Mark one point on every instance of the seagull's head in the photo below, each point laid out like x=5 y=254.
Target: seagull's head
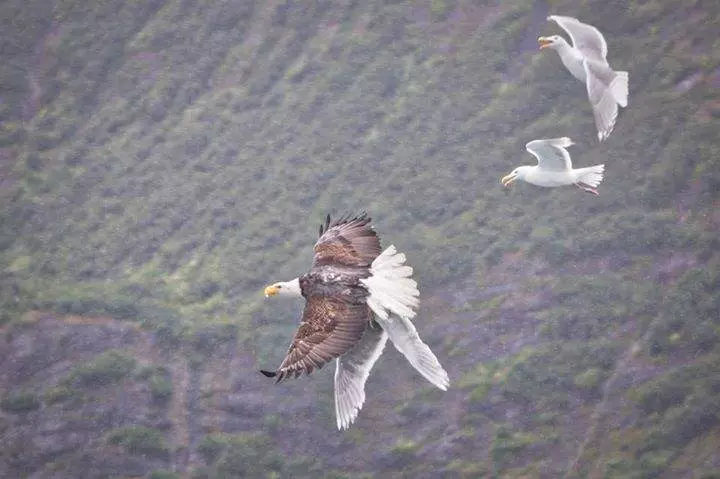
x=516 y=174
x=284 y=288
x=553 y=42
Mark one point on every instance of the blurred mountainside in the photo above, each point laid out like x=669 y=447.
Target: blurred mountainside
x=161 y=161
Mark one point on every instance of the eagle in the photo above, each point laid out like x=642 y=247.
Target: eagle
x=356 y=297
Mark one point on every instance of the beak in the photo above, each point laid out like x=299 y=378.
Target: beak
x=271 y=291
x=544 y=42
x=508 y=180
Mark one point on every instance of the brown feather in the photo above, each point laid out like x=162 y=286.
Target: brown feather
x=329 y=328
x=347 y=241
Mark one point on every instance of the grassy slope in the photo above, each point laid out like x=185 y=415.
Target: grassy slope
x=177 y=160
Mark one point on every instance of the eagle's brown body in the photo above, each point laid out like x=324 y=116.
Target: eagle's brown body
x=336 y=312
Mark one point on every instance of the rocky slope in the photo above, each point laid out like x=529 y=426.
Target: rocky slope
x=163 y=160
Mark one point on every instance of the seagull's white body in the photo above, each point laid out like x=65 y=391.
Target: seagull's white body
x=555 y=168
x=540 y=177
x=586 y=60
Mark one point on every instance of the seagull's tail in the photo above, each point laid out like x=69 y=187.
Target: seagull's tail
x=619 y=88
x=391 y=288
x=592 y=175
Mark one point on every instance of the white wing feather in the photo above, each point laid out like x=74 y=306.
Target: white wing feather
x=585 y=38
x=551 y=153
x=351 y=373
x=405 y=338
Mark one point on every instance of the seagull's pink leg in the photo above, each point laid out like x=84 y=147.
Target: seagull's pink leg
x=588 y=188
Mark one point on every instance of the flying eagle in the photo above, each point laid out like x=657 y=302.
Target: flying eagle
x=355 y=298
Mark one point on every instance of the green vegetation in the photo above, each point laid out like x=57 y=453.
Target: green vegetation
x=404 y=452
x=163 y=475
x=103 y=370
x=691 y=315
x=160 y=382
x=232 y=455
x=507 y=444
x=549 y=375
x=139 y=440
x=18 y=402
x=162 y=161
x=61 y=394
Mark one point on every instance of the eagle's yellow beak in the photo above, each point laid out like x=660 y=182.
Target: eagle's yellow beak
x=271 y=291
x=544 y=42
x=508 y=180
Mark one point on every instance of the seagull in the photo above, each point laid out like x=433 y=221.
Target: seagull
x=586 y=60
x=554 y=167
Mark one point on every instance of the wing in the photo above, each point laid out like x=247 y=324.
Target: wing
x=405 y=338
x=330 y=327
x=352 y=371
x=585 y=38
x=347 y=241
x=604 y=104
x=551 y=154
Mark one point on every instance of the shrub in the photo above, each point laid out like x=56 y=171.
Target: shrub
x=160 y=474
x=60 y=394
x=160 y=382
x=240 y=456
x=139 y=440
x=507 y=444
x=107 y=368
x=19 y=402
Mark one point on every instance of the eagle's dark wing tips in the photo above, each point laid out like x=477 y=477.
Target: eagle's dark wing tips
x=269 y=374
x=324 y=227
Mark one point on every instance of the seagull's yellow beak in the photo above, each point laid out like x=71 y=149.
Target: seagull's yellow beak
x=508 y=180
x=544 y=42
x=271 y=291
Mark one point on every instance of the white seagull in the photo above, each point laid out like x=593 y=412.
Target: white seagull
x=586 y=60
x=554 y=167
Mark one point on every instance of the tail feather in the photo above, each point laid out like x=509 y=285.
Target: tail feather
x=619 y=88
x=393 y=298
x=391 y=288
x=592 y=176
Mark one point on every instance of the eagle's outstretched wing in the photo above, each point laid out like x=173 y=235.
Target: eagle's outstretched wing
x=329 y=328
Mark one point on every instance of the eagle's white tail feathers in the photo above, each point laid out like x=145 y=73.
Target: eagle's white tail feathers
x=619 y=88
x=592 y=175
x=405 y=338
x=391 y=288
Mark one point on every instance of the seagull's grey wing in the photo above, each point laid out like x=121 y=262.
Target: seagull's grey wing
x=551 y=154
x=405 y=338
x=585 y=38
x=352 y=371
x=604 y=104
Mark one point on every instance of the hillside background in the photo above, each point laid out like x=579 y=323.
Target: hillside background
x=161 y=161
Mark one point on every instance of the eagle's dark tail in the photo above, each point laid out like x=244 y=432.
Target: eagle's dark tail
x=269 y=374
